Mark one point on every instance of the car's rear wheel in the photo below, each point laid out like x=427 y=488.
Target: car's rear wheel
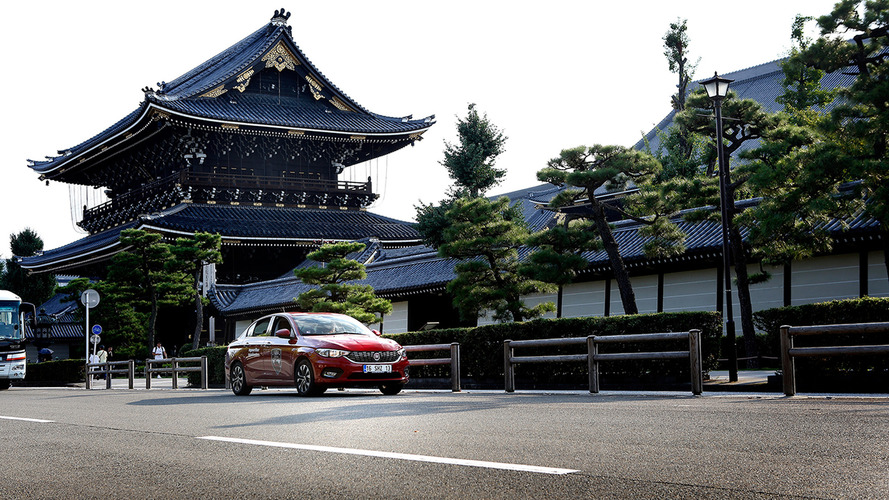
x=391 y=389
x=304 y=377
x=239 y=380
x=4 y=384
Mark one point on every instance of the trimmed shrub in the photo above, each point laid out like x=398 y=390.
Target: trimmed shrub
x=833 y=373
x=215 y=366
x=61 y=372
x=481 y=350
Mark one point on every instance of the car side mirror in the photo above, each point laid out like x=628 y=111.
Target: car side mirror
x=283 y=333
x=377 y=333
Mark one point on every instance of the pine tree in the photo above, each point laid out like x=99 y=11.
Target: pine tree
x=337 y=291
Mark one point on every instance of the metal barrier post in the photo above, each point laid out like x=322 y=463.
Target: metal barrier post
x=88 y=373
x=694 y=356
x=204 y=378
x=147 y=374
x=455 y=367
x=175 y=374
x=592 y=365
x=508 y=374
x=787 y=364
x=131 y=371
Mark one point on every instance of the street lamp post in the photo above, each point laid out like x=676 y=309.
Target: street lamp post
x=717 y=89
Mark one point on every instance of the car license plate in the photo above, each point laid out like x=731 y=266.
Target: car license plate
x=377 y=368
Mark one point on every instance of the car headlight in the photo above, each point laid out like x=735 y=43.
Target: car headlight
x=331 y=353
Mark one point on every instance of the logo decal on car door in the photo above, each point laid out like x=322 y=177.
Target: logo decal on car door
x=276 y=361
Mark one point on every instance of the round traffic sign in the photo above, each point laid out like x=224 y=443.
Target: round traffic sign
x=95 y=339
x=97 y=329
x=89 y=298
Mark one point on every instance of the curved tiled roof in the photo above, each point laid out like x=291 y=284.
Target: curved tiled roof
x=291 y=113
x=240 y=222
x=283 y=223
x=187 y=95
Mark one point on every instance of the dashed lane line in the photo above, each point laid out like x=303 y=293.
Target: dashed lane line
x=398 y=456
x=38 y=420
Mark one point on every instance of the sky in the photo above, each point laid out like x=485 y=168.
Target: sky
x=550 y=75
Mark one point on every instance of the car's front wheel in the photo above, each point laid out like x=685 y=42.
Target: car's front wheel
x=391 y=389
x=239 y=380
x=304 y=377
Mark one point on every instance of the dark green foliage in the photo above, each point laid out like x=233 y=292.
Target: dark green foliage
x=863 y=310
x=33 y=288
x=481 y=349
x=51 y=373
x=586 y=169
x=215 y=365
x=123 y=326
x=336 y=292
x=485 y=236
x=143 y=277
x=191 y=255
x=471 y=162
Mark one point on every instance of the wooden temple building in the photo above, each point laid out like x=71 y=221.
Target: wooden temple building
x=249 y=145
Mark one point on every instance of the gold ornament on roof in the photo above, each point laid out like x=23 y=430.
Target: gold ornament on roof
x=244 y=80
x=218 y=91
x=280 y=57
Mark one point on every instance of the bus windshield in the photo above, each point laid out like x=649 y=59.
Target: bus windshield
x=9 y=321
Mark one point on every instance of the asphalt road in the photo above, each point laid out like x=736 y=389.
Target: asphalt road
x=359 y=444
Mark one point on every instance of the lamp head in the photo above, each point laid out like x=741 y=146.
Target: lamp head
x=716 y=87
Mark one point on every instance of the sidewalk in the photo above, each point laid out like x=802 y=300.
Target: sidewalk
x=122 y=382
x=748 y=380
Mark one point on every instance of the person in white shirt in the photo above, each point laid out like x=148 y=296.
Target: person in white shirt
x=159 y=353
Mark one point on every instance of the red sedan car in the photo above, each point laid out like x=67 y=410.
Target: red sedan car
x=314 y=351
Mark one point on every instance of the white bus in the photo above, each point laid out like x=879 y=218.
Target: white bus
x=12 y=337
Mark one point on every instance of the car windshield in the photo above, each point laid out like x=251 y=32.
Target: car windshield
x=329 y=325
x=9 y=321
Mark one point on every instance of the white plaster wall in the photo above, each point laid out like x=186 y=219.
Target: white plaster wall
x=242 y=325
x=771 y=293
x=824 y=278
x=583 y=299
x=877 y=283
x=645 y=289
x=539 y=298
x=396 y=321
x=690 y=291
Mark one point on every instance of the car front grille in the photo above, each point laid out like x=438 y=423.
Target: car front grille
x=373 y=356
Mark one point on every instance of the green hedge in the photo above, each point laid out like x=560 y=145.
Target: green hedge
x=481 y=350
x=833 y=372
x=61 y=372
x=215 y=365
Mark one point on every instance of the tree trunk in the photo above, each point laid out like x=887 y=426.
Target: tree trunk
x=199 y=310
x=627 y=296
x=152 y=318
x=744 y=300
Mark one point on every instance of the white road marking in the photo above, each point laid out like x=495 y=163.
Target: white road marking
x=28 y=419
x=399 y=456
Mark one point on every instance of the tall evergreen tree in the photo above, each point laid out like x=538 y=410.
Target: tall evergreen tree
x=470 y=163
x=587 y=169
x=336 y=290
x=143 y=277
x=191 y=255
x=34 y=288
x=557 y=255
x=485 y=236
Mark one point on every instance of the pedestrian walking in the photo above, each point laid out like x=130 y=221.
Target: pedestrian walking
x=159 y=353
